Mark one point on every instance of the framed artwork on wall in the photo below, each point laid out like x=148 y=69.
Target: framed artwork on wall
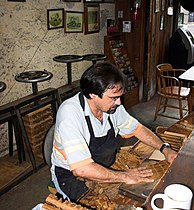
x=108 y=1
x=93 y=1
x=92 y=18
x=71 y=0
x=17 y=0
x=73 y=22
x=55 y=18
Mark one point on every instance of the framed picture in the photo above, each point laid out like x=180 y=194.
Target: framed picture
x=108 y=1
x=93 y=1
x=55 y=18
x=71 y=0
x=157 y=6
x=17 y=0
x=92 y=18
x=161 y=22
x=73 y=21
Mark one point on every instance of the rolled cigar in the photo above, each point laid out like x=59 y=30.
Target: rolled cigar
x=178 y=141
x=171 y=136
x=175 y=134
x=187 y=125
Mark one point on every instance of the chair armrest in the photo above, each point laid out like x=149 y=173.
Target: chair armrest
x=172 y=78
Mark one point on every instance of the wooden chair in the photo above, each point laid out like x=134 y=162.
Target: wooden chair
x=170 y=87
x=29 y=104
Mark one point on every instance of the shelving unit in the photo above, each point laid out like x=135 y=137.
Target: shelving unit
x=114 y=49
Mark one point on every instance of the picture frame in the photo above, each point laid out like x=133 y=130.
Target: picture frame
x=92 y=18
x=17 y=0
x=161 y=22
x=71 y=0
x=73 y=22
x=157 y=6
x=93 y=1
x=109 y=1
x=55 y=18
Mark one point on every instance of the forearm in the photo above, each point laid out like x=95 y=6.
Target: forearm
x=148 y=137
x=96 y=172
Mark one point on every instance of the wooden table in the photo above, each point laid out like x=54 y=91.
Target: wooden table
x=182 y=169
x=189 y=76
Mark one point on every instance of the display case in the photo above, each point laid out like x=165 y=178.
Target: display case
x=114 y=49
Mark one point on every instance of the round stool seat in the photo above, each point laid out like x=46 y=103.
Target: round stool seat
x=33 y=77
x=68 y=58
x=94 y=57
x=2 y=86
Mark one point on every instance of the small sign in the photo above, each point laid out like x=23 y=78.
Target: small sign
x=126 y=26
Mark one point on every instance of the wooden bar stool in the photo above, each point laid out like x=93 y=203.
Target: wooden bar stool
x=68 y=59
x=8 y=115
x=67 y=91
x=29 y=104
x=94 y=57
x=34 y=77
x=72 y=87
x=33 y=102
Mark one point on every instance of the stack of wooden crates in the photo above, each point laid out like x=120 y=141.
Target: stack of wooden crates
x=37 y=124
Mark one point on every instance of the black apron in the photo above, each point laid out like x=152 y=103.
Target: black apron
x=103 y=150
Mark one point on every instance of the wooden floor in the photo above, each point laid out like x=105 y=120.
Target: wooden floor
x=12 y=172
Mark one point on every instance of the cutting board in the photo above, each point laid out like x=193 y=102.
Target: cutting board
x=137 y=192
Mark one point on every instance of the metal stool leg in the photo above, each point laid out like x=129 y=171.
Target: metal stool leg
x=26 y=140
x=10 y=136
x=19 y=141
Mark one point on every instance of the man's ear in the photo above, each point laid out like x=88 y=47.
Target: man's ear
x=92 y=95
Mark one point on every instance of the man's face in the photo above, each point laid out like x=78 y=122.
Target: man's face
x=110 y=99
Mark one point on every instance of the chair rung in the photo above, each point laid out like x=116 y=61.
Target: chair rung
x=172 y=106
x=168 y=116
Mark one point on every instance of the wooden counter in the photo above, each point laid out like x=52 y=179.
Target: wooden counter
x=121 y=196
x=182 y=169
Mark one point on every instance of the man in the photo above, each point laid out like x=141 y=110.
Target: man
x=85 y=143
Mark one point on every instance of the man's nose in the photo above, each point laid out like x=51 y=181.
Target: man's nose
x=118 y=101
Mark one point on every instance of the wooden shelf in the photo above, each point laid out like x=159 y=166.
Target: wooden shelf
x=114 y=49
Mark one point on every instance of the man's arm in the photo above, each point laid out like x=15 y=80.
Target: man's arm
x=96 y=172
x=148 y=137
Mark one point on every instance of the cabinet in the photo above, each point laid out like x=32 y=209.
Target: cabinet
x=114 y=49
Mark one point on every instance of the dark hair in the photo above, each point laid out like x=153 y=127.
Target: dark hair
x=100 y=77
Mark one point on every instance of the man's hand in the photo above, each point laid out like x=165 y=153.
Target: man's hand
x=138 y=175
x=170 y=154
x=96 y=172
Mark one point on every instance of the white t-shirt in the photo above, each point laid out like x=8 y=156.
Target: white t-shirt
x=72 y=137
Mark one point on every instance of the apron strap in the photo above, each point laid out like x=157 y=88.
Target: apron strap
x=82 y=103
x=81 y=100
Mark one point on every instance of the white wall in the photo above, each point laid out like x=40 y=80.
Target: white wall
x=26 y=44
